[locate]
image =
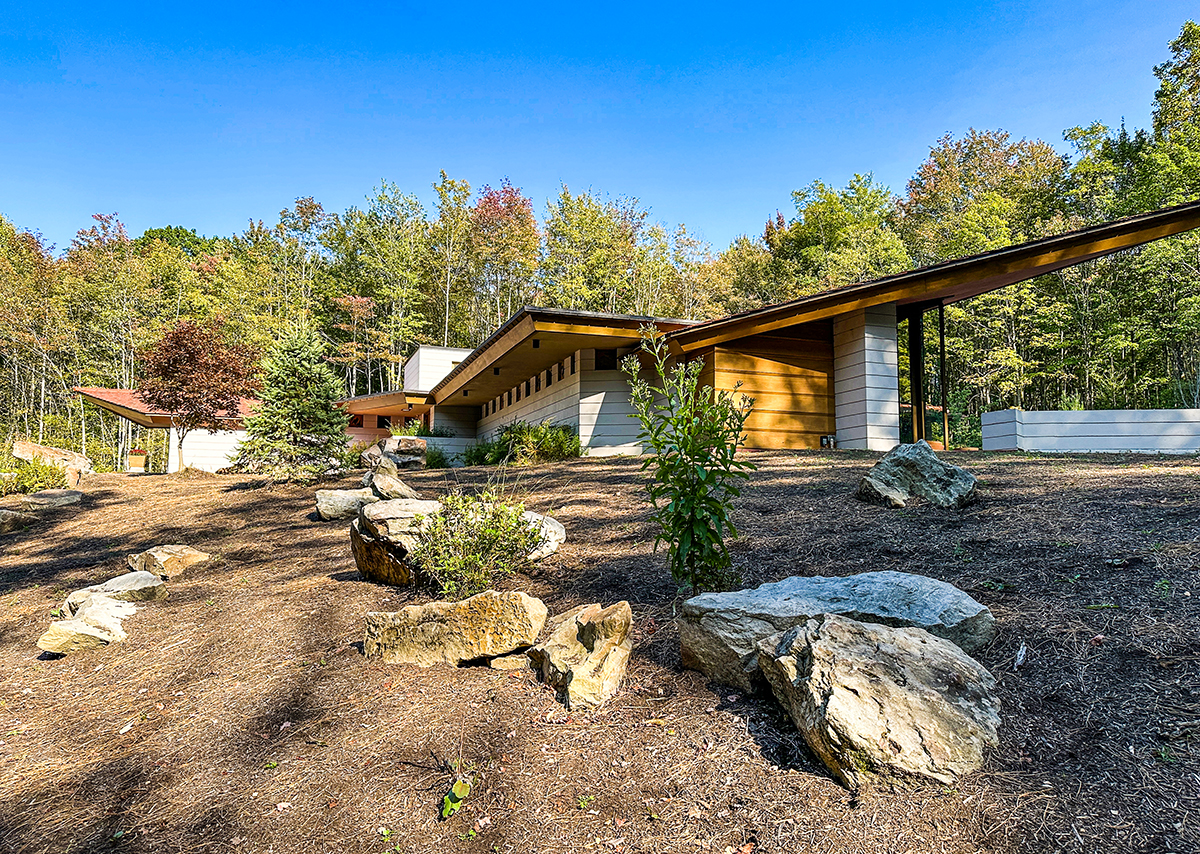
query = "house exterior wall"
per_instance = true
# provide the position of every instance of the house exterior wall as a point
(429, 365)
(557, 403)
(204, 450)
(866, 382)
(1145, 431)
(605, 426)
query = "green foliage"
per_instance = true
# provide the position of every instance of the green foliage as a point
(436, 458)
(297, 431)
(525, 444)
(473, 540)
(693, 434)
(416, 428)
(454, 798)
(31, 476)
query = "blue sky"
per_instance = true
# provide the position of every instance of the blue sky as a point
(210, 115)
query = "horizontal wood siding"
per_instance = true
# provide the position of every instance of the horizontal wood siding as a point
(558, 403)
(204, 450)
(790, 378)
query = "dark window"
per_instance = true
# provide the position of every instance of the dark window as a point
(493, 407)
(355, 421)
(501, 403)
(562, 370)
(606, 360)
(384, 421)
(572, 364)
(518, 394)
(549, 377)
(537, 383)
(510, 397)
(527, 388)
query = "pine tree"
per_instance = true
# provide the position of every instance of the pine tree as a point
(298, 431)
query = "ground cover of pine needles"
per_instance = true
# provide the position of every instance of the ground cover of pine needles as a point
(241, 716)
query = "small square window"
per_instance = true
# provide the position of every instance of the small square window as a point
(384, 422)
(606, 360)
(355, 421)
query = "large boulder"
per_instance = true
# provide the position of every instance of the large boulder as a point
(585, 656)
(719, 632)
(401, 453)
(168, 561)
(484, 625)
(377, 559)
(49, 498)
(75, 465)
(388, 487)
(11, 520)
(343, 503)
(914, 470)
(398, 520)
(130, 587)
(96, 622)
(870, 698)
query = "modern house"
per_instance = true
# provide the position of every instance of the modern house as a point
(823, 370)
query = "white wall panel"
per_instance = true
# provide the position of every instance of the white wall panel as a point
(866, 389)
(1149, 431)
(204, 450)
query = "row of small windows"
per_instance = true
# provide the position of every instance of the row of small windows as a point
(606, 360)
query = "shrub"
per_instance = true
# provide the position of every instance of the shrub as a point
(524, 444)
(351, 456)
(472, 541)
(31, 476)
(693, 434)
(436, 458)
(416, 428)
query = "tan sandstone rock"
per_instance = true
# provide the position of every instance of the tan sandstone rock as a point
(585, 656)
(130, 587)
(167, 561)
(378, 560)
(487, 624)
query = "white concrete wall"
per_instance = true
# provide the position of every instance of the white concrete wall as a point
(866, 381)
(204, 450)
(461, 419)
(429, 366)
(557, 403)
(605, 425)
(1148, 431)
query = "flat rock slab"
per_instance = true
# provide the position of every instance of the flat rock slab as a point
(167, 561)
(719, 632)
(485, 625)
(914, 470)
(343, 503)
(106, 614)
(67, 636)
(11, 520)
(870, 698)
(585, 656)
(48, 498)
(130, 587)
(398, 519)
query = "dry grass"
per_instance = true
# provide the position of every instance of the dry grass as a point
(241, 716)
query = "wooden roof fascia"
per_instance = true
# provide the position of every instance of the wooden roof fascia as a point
(142, 419)
(447, 388)
(953, 280)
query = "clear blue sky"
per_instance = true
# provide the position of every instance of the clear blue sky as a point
(213, 114)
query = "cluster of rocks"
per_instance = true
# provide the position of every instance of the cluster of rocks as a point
(385, 532)
(74, 465)
(914, 470)
(583, 657)
(93, 616)
(384, 461)
(32, 504)
(872, 669)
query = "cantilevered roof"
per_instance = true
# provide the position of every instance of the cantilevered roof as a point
(126, 403)
(407, 403)
(950, 281)
(534, 338)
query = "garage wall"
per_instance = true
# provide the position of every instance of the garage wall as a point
(866, 379)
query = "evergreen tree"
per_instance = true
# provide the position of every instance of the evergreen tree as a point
(298, 431)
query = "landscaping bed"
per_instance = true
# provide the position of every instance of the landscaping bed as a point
(241, 715)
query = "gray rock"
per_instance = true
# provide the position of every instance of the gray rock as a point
(914, 470)
(378, 560)
(870, 698)
(488, 624)
(585, 656)
(401, 453)
(371, 456)
(343, 503)
(387, 486)
(130, 587)
(168, 561)
(11, 520)
(553, 534)
(397, 520)
(48, 498)
(719, 632)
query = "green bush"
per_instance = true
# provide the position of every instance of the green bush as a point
(436, 458)
(526, 444)
(31, 476)
(472, 541)
(693, 434)
(416, 428)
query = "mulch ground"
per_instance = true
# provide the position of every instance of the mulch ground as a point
(241, 715)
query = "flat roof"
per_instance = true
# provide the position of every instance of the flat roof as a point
(129, 405)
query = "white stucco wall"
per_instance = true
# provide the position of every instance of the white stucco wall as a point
(1148, 431)
(204, 450)
(866, 383)
(429, 365)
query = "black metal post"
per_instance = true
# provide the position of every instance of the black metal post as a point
(916, 372)
(942, 375)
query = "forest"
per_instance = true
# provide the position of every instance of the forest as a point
(379, 279)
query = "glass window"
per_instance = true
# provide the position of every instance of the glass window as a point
(606, 360)
(384, 421)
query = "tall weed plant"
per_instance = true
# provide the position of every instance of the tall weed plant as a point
(692, 433)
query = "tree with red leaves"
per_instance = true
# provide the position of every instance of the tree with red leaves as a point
(198, 375)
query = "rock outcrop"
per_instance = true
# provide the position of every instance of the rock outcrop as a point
(914, 470)
(719, 632)
(488, 624)
(168, 561)
(75, 465)
(11, 520)
(49, 498)
(585, 656)
(870, 698)
(343, 503)
(377, 559)
(387, 486)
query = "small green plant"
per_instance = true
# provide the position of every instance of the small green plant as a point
(1163, 588)
(436, 458)
(416, 428)
(526, 444)
(585, 801)
(472, 540)
(1165, 755)
(693, 434)
(270, 766)
(30, 476)
(56, 613)
(454, 798)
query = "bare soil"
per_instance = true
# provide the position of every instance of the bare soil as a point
(241, 715)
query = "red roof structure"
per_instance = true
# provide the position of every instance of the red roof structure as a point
(128, 404)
